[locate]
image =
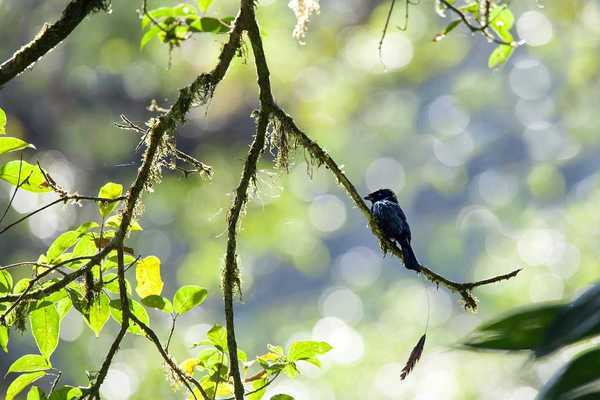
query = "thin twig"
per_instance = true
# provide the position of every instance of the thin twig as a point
(64, 199)
(261, 387)
(385, 28)
(185, 379)
(173, 320)
(483, 27)
(55, 382)
(24, 295)
(17, 187)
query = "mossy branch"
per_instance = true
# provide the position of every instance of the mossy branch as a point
(323, 158)
(231, 279)
(49, 37)
(198, 92)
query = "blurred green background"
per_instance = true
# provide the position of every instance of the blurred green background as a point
(495, 169)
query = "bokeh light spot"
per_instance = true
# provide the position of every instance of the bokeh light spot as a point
(342, 303)
(385, 173)
(534, 28)
(327, 213)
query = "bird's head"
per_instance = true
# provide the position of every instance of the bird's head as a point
(382, 194)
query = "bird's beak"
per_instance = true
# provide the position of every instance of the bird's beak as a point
(368, 197)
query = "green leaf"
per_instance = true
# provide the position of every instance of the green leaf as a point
(86, 246)
(182, 10)
(30, 363)
(61, 244)
(472, 8)
(500, 55)
(67, 393)
(305, 350)
(577, 380)
(114, 221)
(45, 325)
(204, 5)
(579, 320)
(110, 190)
(501, 18)
(136, 309)
(111, 262)
(8, 144)
(21, 383)
(149, 35)
(209, 24)
(521, 330)
(282, 397)
(61, 300)
(449, 28)
(87, 226)
(6, 282)
(160, 303)
(35, 393)
(4, 338)
(217, 335)
(2, 122)
(112, 283)
(188, 297)
(63, 306)
(258, 384)
(156, 14)
(99, 313)
(31, 177)
(208, 358)
(21, 285)
(291, 370)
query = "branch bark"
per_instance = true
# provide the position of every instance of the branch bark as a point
(94, 392)
(48, 38)
(462, 289)
(167, 124)
(231, 279)
(198, 91)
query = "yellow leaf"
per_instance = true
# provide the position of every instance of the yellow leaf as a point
(188, 365)
(147, 275)
(224, 389)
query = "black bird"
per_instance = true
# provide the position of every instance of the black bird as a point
(392, 222)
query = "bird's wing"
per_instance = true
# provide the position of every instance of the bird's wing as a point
(392, 219)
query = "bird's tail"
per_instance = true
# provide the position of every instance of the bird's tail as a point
(410, 260)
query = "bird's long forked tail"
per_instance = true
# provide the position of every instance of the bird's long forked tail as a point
(414, 357)
(410, 260)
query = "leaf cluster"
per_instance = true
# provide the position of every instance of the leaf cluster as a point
(174, 25)
(544, 330)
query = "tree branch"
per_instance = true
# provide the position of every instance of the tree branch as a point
(94, 392)
(231, 279)
(167, 123)
(49, 37)
(463, 289)
(55, 287)
(31, 284)
(185, 379)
